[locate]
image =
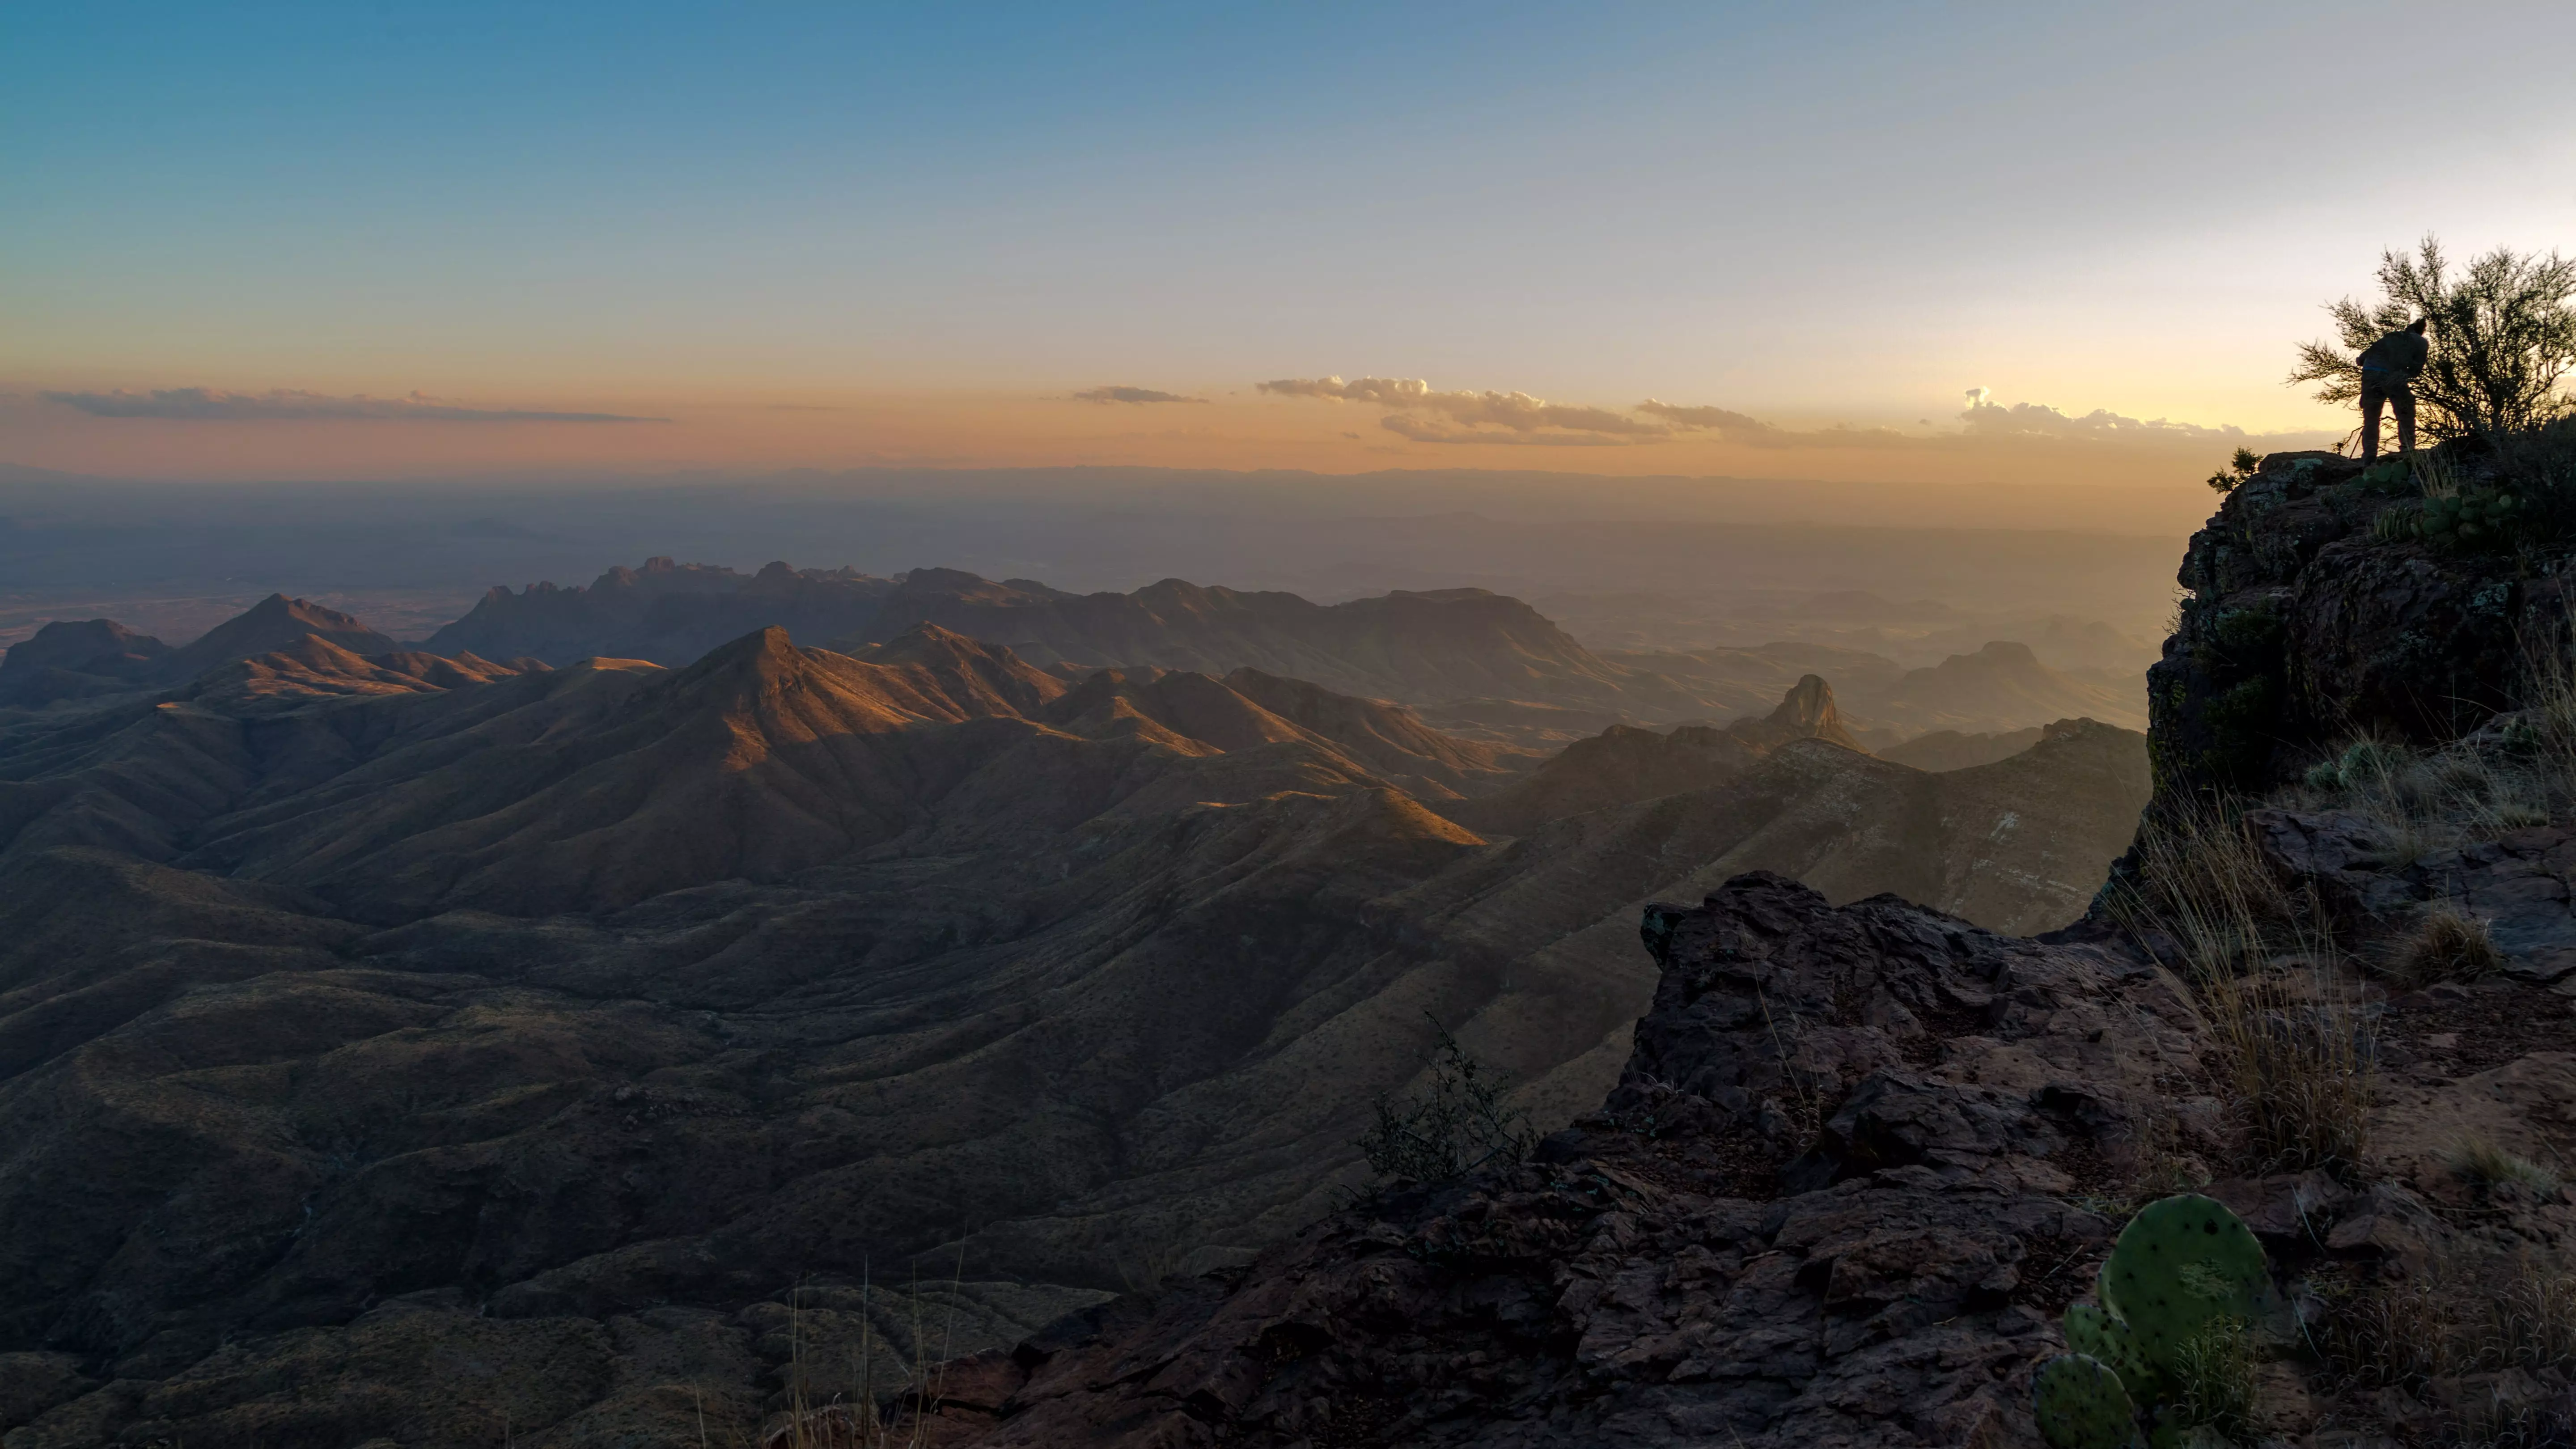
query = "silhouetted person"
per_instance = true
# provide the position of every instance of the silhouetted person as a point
(2389, 368)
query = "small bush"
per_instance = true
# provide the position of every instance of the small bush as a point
(2239, 469)
(1459, 1124)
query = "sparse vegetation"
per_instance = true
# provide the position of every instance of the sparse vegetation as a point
(2482, 1347)
(2503, 334)
(858, 1419)
(1460, 1122)
(2472, 789)
(2400, 1333)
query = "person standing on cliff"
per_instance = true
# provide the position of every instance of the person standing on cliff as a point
(2389, 368)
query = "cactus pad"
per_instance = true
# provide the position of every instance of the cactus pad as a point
(2080, 1405)
(2179, 1263)
(2100, 1334)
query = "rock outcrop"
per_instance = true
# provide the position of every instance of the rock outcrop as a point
(1831, 1203)
(2305, 626)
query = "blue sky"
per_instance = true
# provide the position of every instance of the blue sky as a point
(1827, 213)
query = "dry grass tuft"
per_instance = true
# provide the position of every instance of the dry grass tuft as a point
(2292, 1054)
(2202, 883)
(2446, 945)
(2486, 1166)
(2294, 1057)
(2394, 1335)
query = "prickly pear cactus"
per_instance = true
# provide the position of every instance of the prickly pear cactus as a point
(2181, 1262)
(2081, 1405)
(2102, 1335)
(2474, 519)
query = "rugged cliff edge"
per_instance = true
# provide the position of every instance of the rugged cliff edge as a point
(2308, 618)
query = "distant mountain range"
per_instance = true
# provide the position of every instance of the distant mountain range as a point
(1483, 664)
(573, 990)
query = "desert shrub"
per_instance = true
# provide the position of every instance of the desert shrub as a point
(1458, 1123)
(2503, 334)
(2445, 945)
(2539, 463)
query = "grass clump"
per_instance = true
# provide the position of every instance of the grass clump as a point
(2445, 945)
(1458, 1123)
(2294, 1060)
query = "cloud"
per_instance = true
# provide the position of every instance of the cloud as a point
(1132, 395)
(206, 404)
(1427, 416)
(1988, 419)
(1424, 414)
(1394, 392)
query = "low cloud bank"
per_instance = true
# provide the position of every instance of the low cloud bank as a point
(1424, 414)
(1131, 395)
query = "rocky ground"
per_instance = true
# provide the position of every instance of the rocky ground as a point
(1859, 1164)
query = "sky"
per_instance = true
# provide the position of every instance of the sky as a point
(1863, 242)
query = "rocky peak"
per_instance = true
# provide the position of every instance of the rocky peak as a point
(1806, 712)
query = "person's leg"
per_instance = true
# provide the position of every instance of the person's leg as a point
(2370, 400)
(2402, 402)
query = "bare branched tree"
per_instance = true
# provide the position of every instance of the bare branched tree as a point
(2503, 334)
